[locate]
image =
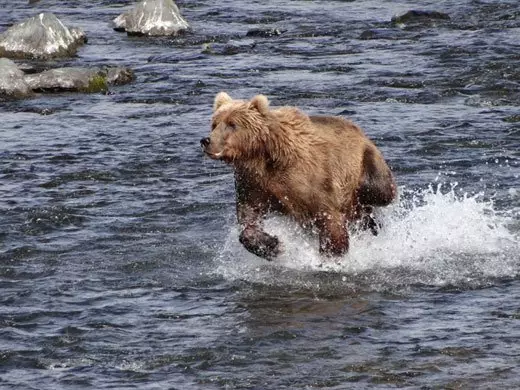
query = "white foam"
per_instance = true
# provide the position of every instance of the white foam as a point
(435, 236)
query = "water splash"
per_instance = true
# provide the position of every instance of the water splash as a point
(433, 237)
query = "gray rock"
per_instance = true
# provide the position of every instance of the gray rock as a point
(79, 79)
(264, 32)
(152, 17)
(119, 75)
(229, 48)
(512, 119)
(120, 23)
(12, 83)
(15, 84)
(388, 34)
(42, 36)
(65, 79)
(419, 17)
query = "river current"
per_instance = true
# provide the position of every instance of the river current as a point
(120, 266)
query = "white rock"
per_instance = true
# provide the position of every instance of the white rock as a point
(152, 17)
(12, 83)
(42, 36)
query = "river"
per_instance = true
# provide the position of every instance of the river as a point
(120, 266)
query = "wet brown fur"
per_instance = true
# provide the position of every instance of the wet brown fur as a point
(321, 170)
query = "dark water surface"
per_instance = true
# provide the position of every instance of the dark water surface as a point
(120, 265)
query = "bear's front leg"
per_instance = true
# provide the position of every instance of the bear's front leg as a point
(333, 233)
(251, 210)
(258, 242)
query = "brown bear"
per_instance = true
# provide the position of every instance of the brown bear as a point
(321, 170)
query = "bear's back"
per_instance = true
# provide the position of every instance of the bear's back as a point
(336, 124)
(339, 133)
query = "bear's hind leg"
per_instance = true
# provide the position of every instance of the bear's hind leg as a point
(377, 187)
(365, 219)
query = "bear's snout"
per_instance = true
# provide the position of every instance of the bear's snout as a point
(209, 148)
(204, 142)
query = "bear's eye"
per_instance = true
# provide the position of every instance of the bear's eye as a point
(232, 125)
(213, 125)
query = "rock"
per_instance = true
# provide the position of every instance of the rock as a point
(32, 66)
(120, 23)
(264, 33)
(387, 34)
(153, 18)
(67, 79)
(119, 76)
(15, 84)
(43, 36)
(512, 119)
(12, 83)
(79, 79)
(419, 17)
(229, 48)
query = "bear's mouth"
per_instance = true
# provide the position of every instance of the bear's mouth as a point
(209, 151)
(215, 156)
(220, 156)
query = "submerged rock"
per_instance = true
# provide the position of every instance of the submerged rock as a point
(12, 83)
(79, 79)
(419, 17)
(264, 33)
(43, 36)
(229, 48)
(152, 17)
(386, 34)
(512, 119)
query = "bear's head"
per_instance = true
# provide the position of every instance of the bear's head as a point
(239, 128)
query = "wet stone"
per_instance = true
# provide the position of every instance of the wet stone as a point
(119, 75)
(79, 79)
(120, 23)
(419, 17)
(264, 32)
(387, 34)
(33, 66)
(512, 119)
(12, 83)
(17, 84)
(62, 79)
(43, 36)
(153, 18)
(230, 48)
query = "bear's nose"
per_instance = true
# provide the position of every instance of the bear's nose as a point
(204, 142)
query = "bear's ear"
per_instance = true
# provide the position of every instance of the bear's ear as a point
(260, 103)
(221, 99)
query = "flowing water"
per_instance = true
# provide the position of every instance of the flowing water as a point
(120, 265)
